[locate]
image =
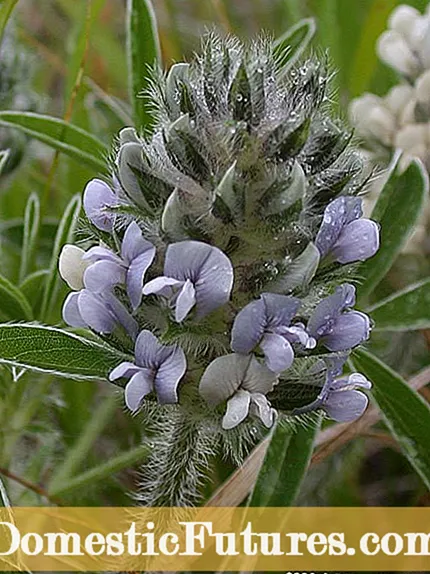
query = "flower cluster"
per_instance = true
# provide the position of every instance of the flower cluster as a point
(400, 119)
(228, 221)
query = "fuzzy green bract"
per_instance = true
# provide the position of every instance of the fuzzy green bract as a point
(236, 226)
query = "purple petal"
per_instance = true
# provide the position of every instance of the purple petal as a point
(162, 286)
(169, 374)
(330, 308)
(335, 364)
(71, 313)
(351, 382)
(345, 406)
(95, 312)
(280, 309)
(185, 301)
(121, 314)
(207, 267)
(248, 327)
(136, 390)
(125, 370)
(99, 253)
(278, 352)
(97, 196)
(147, 350)
(136, 276)
(237, 409)
(298, 334)
(349, 330)
(338, 213)
(103, 276)
(358, 241)
(134, 244)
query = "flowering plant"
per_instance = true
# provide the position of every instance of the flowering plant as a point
(221, 273)
(219, 259)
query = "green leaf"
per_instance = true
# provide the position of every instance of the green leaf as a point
(65, 234)
(406, 310)
(5, 13)
(289, 47)
(13, 303)
(78, 454)
(31, 231)
(103, 472)
(52, 350)
(365, 58)
(33, 286)
(405, 413)
(285, 465)
(4, 157)
(66, 138)
(406, 194)
(143, 48)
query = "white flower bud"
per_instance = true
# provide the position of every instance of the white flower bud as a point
(413, 139)
(422, 88)
(393, 49)
(403, 20)
(408, 114)
(424, 45)
(372, 118)
(398, 98)
(72, 266)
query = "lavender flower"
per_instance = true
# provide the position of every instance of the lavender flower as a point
(341, 399)
(267, 322)
(243, 382)
(98, 197)
(102, 312)
(157, 367)
(334, 326)
(344, 234)
(195, 275)
(108, 269)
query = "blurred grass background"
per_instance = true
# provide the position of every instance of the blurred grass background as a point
(53, 433)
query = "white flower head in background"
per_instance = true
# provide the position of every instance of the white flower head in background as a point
(400, 120)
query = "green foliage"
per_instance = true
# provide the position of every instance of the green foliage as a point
(405, 310)
(56, 351)
(398, 209)
(290, 46)
(60, 135)
(405, 413)
(143, 54)
(285, 464)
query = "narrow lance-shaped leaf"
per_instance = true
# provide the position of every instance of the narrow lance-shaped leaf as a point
(58, 134)
(6, 9)
(13, 303)
(406, 310)
(31, 231)
(4, 156)
(144, 51)
(407, 192)
(405, 413)
(290, 46)
(284, 466)
(47, 349)
(65, 233)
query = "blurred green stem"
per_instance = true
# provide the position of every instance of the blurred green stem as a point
(79, 452)
(104, 471)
